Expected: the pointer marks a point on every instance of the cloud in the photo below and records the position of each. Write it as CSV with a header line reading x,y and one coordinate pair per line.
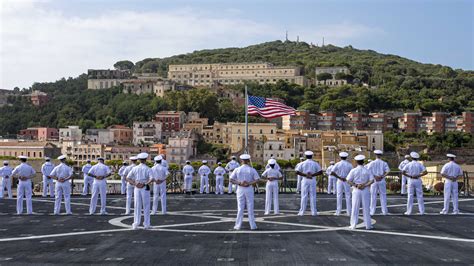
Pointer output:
x,y
38,43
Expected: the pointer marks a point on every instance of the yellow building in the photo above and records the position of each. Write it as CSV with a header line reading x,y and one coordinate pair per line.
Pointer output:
x,y
257,131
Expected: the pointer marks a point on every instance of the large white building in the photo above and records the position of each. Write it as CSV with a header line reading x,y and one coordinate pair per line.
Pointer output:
x,y
147,133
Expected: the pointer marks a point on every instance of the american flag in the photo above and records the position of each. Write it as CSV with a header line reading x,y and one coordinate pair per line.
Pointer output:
x,y
268,108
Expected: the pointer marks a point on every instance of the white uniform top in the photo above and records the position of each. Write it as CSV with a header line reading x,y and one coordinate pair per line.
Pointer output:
x,y
277,166
378,167
308,166
219,171
402,164
100,169
24,170
451,169
231,165
188,170
159,172
46,168
244,173
414,168
140,173
272,173
164,163
342,168
6,171
329,170
128,169
360,175
204,170
122,170
62,171
86,168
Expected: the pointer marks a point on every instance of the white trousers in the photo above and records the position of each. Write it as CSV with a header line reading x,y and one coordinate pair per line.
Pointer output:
x,y
48,184
308,186
404,185
231,186
142,204
415,185
62,190
88,181
159,193
188,183
245,199
24,190
298,183
128,203
450,191
271,193
359,196
343,188
98,187
123,187
332,181
6,183
204,184
379,187
219,184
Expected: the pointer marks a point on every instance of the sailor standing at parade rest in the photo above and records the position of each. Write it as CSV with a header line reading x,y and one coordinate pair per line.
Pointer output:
x,y
164,163
99,172
62,173
48,183
6,175
130,186
309,169
340,171
24,172
159,174
332,180
360,178
121,171
245,176
141,177
204,172
451,171
379,170
188,172
88,180
271,190
219,172
231,165
404,178
298,177
414,171
276,167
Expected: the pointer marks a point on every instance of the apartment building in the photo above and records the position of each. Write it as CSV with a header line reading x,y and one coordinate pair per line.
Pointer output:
x,y
71,133
171,120
437,122
39,133
32,149
105,78
125,152
146,133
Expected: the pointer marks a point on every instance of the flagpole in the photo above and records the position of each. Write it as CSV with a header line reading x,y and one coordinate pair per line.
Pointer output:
x,y
246,121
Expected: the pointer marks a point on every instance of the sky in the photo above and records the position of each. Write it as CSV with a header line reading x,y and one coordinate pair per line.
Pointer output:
x,y
45,40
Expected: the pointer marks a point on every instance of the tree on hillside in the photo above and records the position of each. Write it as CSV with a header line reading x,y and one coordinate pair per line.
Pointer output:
x,y
124,65
324,76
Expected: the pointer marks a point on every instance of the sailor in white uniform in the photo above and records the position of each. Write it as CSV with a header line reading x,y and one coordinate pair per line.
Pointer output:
x,y
231,165
298,177
404,178
48,183
360,178
130,186
159,174
188,172
276,167
219,173
24,172
379,170
204,172
309,169
271,190
245,176
332,180
141,177
99,172
88,180
121,171
340,170
164,163
451,171
6,175
62,173
414,171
